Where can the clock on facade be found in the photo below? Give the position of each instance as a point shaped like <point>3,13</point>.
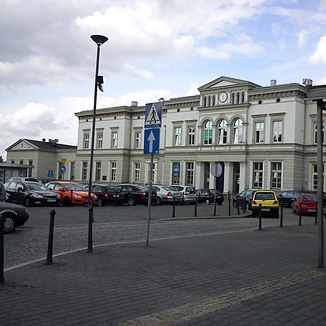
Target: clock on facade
<point>223,97</point>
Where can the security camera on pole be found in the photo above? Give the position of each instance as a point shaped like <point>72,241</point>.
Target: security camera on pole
<point>152,128</point>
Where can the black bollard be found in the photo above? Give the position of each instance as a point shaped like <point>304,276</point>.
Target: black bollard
<point>281,220</point>
<point>229,198</point>
<point>300,213</point>
<point>196,201</point>
<point>173,207</point>
<point>316,216</point>
<point>260,217</point>
<point>49,260</point>
<point>71,197</point>
<point>238,207</point>
<point>2,219</point>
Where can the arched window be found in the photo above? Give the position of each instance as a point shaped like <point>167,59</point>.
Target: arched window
<point>237,131</point>
<point>222,132</point>
<point>209,101</point>
<point>232,98</point>
<point>238,98</point>
<point>208,132</point>
<point>242,97</point>
<point>204,102</point>
<point>213,100</point>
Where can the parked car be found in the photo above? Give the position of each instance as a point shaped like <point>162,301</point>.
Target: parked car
<point>22,179</point>
<point>107,194</point>
<point>188,193</point>
<point>134,194</point>
<point>166,194</point>
<point>268,201</point>
<point>71,193</point>
<point>31,193</point>
<point>14,216</point>
<point>305,202</point>
<point>288,196</point>
<point>204,195</point>
<point>244,196</point>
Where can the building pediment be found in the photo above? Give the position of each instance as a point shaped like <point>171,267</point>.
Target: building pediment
<point>223,83</point>
<point>22,144</point>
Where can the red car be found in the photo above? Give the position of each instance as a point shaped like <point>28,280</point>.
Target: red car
<point>71,193</point>
<point>307,203</point>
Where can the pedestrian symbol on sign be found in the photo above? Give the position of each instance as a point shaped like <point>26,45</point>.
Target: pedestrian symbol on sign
<point>153,115</point>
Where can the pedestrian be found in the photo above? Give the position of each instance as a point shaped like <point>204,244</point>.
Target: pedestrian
<point>2,192</point>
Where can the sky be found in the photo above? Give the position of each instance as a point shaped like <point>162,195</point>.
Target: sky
<point>156,48</point>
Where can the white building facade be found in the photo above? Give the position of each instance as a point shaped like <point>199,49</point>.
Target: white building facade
<point>263,137</point>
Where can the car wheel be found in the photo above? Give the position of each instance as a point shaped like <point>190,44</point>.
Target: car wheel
<point>9,224</point>
<point>27,202</point>
<point>101,202</point>
<point>159,201</point>
<point>66,201</point>
<point>131,201</point>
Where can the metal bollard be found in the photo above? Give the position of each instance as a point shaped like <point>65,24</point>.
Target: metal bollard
<point>229,198</point>
<point>196,202</point>
<point>49,260</point>
<point>281,220</point>
<point>2,219</point>
<point>300,213</point>
<point>238,207</point>
<point>259,216</point>
<point>173,207</point>
<point>244,206</point>
<point>316,216</point>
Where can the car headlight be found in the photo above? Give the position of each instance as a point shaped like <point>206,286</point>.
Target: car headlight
<point>58,196</point>
<point>77,196</point>
<point>37,196</point>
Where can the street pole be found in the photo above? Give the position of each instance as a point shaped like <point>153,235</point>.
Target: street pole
<point>99,40</point>
<point>320,213</point>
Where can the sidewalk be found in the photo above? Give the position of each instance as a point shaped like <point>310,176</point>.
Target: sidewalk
<point>258,277</point>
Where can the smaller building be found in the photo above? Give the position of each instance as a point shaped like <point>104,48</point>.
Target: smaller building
<point>44,159</point>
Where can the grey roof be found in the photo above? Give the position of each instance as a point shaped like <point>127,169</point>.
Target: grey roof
<point>45,145</point>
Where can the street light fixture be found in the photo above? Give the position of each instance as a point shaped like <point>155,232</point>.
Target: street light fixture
<point>99,40</point>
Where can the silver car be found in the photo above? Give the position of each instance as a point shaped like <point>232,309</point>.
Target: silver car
<point>188,193</point>
<point>166,194</point>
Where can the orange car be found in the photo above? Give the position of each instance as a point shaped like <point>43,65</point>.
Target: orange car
<point>71,193</point>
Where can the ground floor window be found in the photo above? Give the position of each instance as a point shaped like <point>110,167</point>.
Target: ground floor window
<point>136,172</point>
<point>98,171</point>
<point>258,174</point>
<point>113,171</point>
<point>84,170</point>
<point>276,175</point>
<point>176,173</point>
<point>315,177</point>
<point>190,173</point>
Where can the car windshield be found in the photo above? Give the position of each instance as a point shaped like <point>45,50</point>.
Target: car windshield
<point>114,189</point>
<point>309,198</point>
<point>74,186</point>
<point>35,186</point>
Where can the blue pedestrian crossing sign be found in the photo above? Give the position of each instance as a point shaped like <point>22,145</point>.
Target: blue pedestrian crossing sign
<point>152,141</point>
<point>153,115</point>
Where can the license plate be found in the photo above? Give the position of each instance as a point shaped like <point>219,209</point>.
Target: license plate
<point>51,200</point>
<point>117,196</point>
<point>265,209</point>
<point>311,210</point>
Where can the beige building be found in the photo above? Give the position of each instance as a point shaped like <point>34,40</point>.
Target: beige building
<point>262,137</point>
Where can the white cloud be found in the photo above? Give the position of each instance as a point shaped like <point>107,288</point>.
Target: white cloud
<point>302,38</point>
<point>319,55</point>
<point>193,90</point>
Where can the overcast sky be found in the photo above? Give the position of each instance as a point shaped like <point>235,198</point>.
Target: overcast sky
<point>156,48</point>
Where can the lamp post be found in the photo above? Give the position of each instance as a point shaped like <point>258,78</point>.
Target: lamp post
<point>99,40</point>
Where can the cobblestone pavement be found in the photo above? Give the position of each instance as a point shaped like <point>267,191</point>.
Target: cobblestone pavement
<point>221,271</point>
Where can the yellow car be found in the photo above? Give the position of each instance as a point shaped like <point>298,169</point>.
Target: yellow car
<point>266,201</point>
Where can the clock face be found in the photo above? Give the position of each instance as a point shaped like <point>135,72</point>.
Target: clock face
<point>223,97</point>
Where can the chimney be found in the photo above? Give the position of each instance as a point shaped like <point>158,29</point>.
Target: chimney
<point>307,82</point>
<point>134,103</point>
<point>273,82</point>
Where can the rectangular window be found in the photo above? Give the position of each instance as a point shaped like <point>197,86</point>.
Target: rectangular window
<point>86,140</point>
<point>136,172</point>
<point>72,170</point>
<point>315,132</point>
<point>177,136</point>
<point>29,170</point>
<point>176,173</point>
<point>190,173</point>
<point>98,171</point>
<point>315,177</point>
<point>84,170</point>
<point>259,132</point>
<point>114,139</point>
<point>137,139</point>
<point>191,135</point>
<point>276,177</point>
<point>99,141</point>
<point>21,162</point>
<point>258,175</point>
<point>113,171</point>
<point>277,131</point>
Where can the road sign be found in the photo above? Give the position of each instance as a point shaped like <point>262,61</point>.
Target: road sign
<point>216,169</point>
<point>153,115</point>
<point>63,161</point>
<point>63,169</point>
<point>152,141</point>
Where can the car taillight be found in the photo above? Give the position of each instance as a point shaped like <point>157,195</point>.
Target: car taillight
<point>169,193</point>
<point>275,202</point>
<point>254,202</point>
<point>186,193</point>
<point>143,194</point>
<point>106,194</point>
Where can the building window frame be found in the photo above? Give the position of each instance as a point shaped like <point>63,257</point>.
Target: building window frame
<point>190,173</point>
<point>114,139</point>
<point>222,132</point>
<point>276,175</point>
<point>84,170</point>
<point>237,131</point>
<point>208,132</point>
<point>113,171</point>
<point>177,135</point>
<point>259,132</point>
<point>137,169</point>
<point>191,135</point>
<point>99,139</point>
<point>258,175</point>
<point>277,129</point>
<point>86,140</point>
